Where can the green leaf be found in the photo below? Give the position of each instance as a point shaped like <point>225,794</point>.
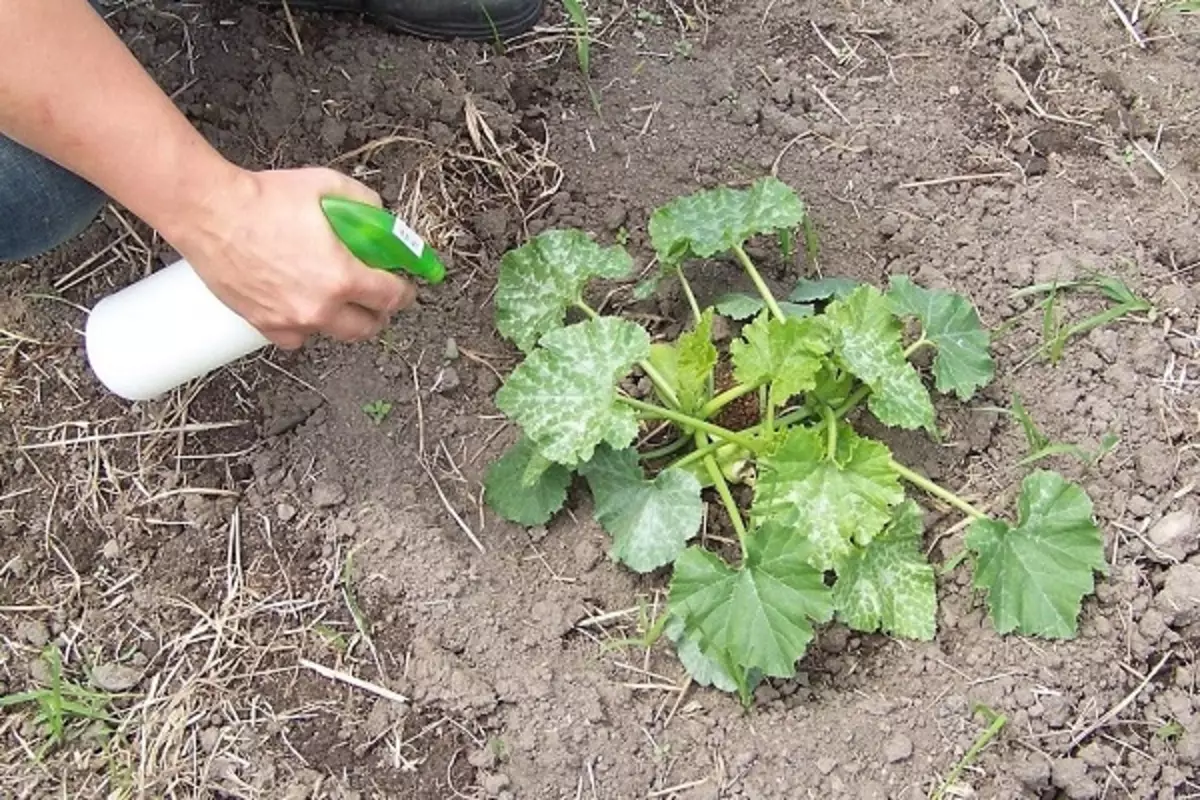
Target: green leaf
<point>888,584</point>
<point>564,394</point>
<point>868,340</point>
<point>809,290</point>
<point>834,504</point>
<point>786,353</point>
<point>688,363</point>
<point>540,279</point>
<point>963,363</point>
<point>650,520</point>
<point>525,487</point>
<point>717,220</point>
<point>738,305</point>
<point>760,615</point>
<point>1037,573</point>
<point>704,671</point>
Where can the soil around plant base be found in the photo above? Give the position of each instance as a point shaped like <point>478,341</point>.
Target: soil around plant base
<point>263,518</point>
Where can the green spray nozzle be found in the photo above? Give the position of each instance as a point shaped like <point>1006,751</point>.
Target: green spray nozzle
<point>381,240</point>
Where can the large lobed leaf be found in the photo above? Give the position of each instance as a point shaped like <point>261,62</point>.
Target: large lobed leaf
<point>867,338</point>
<point>758,616</point>
<point>833,504</point>
<point>540,279</point>
<point>525,487</point>
<point>788,353</point>
<point>889,585</point>
<point>717,220</point>
<point>963,362</point>
<point>687,364</point>
<point>1037,573</point>
<point>650,521</point>
<point>564,394</point>
<point>703,670</point>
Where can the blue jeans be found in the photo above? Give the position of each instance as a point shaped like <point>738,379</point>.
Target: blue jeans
<point>42,205</point>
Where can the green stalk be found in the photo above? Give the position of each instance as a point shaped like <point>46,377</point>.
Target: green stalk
<point>722,487</point>
<point>917,345</point>
<point>752,271</point>
<point>654,375</point>
<point>928,486</point>
<point>831,432</point>
<point>665,450</point>
<point>712,447</point>
<point>689,423</point>
<point>726,397</point>
<point>687,290</point>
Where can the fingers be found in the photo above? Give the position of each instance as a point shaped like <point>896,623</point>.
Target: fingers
<point>353,323</point>
<point>378,290</point>
<point>343,186</point>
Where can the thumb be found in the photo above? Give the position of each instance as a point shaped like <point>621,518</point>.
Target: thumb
<point>339,185</point>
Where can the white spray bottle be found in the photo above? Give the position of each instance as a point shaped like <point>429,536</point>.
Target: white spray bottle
<point>169,328</point>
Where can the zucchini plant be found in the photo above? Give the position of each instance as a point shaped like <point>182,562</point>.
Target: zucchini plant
<point>825,528</point>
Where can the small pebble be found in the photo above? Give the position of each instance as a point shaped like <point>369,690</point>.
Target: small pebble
<point>898,748</point>
<point>35,632</point>
<point>451,353</point>
<point>826,765</point>
<point>285,512</point>
<point>116,677</point>
<point>448,381</point>
<point>493,785</point>
<point>327,494</point>
<point>111,550</point>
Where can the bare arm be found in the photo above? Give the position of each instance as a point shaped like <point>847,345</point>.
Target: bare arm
<point>70,90</point>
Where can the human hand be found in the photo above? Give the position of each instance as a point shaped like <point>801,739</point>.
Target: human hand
<point>265,249</point>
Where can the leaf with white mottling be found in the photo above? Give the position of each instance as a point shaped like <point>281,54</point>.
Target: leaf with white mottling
<point>564,394</point>
<point>835,504</point>
<point>963,362</point>
<point>650,521</point>
<point>525,487</point>
<point>867,338</point>
<point>542,278</point>
<point>717,220</point>
<point>1037,573</point>
<point>889,585</point>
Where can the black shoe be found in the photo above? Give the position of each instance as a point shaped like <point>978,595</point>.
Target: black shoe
<point>480,20</point>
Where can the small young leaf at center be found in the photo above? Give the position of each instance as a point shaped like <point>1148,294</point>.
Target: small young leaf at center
<point>889,585</point>
<point>525,487</point>
<point>760,615</point>
<point>650,521</point>
<point>687,363</point>
<point>836,503</point>
<point>564,394</point>
<point>1037,573</point>
<point>787,353</point>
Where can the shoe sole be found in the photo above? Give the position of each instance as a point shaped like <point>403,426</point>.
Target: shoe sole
<point>498,30</point>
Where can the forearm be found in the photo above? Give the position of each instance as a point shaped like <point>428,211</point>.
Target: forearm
<point>70,90</point>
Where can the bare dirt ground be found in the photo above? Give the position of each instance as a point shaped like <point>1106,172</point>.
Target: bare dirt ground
<point>193,557</point>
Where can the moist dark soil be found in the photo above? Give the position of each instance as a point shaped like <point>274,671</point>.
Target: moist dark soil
<point>971,145</point>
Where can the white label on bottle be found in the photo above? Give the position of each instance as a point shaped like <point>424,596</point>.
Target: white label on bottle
<point>410,238</point>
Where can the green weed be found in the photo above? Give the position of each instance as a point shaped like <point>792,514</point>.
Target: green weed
<point>378,410</point>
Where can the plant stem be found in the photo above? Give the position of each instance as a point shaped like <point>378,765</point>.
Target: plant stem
<point>725,398</point>
<point>722,487</point>
<point>917,345</point>
<point>687,290</point>
<point>665,450</point>
<point>689,423</point>
<point>852,402</point>
<point>996,724</point>
<point>928,486</point>
<point>660,383</point>
<point>831,432</point>
<point>752,271</point>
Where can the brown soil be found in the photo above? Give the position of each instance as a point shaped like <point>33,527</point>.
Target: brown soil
<point>213,561</point>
